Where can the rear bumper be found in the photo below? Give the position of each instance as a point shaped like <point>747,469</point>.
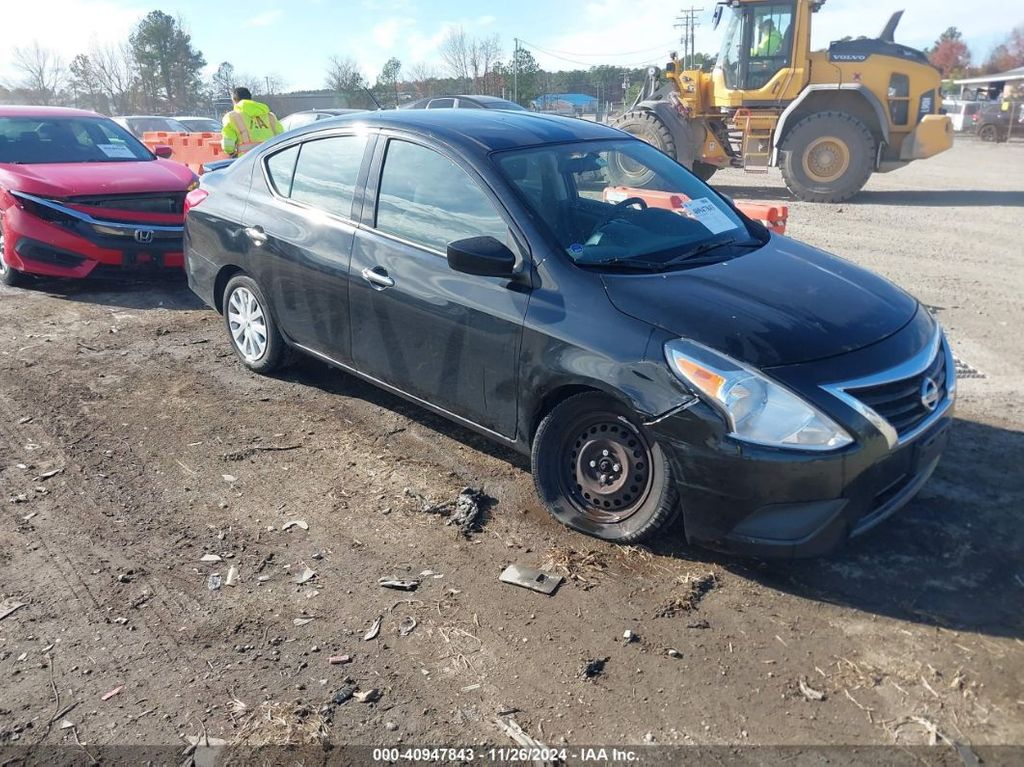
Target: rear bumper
<point>45,248</point>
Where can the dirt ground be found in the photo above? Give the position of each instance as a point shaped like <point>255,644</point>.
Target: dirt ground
<point>167,450</point>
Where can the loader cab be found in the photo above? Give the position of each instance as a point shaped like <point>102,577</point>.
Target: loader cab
<point>759,59</point>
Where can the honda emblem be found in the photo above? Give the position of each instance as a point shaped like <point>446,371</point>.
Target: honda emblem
<point>143,236</point>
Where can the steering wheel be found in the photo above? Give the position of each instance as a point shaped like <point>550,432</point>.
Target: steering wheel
<point>622,204</point>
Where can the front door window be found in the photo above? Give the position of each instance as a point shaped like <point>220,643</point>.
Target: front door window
<point>758,43</point>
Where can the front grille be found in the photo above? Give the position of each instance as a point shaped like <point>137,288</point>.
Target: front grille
<point>900,402</point>
<point>168,202</point>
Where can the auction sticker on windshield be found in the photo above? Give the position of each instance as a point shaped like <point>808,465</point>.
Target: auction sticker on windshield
<point>709,215</point>
<point>116,151</point>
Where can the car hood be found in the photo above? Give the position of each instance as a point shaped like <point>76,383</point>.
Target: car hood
<point>782,304</point>
<point>63,180</point>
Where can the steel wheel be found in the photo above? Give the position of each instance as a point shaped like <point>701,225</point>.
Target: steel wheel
<point>826,159</point>
<point>606,468</point>
<point>248,324</point>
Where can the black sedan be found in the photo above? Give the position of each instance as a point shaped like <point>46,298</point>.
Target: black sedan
<point>653,351</point>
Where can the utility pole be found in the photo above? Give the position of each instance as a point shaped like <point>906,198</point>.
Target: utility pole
<point>515,72</point>
<point>687,21</point>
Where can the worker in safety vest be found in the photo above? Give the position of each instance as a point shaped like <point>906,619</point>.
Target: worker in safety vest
<point>770,41</point>
<point>248,125</point>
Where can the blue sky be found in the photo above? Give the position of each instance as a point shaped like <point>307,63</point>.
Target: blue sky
<point>294,38</point>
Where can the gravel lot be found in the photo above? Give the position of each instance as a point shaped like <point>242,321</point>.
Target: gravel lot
<point>163,446</point>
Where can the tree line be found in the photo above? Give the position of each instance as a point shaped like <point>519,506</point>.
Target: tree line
<point>951,56</point>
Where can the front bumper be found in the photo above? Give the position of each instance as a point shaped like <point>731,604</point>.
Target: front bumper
<point>76,249</point>
<point>934,134</point>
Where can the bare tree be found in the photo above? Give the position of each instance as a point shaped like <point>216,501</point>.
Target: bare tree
<point>455,53</point>
<point>483,54</point>
<point>343,75</point>
<point>42,72</point>
<point>423,77</point>
<point>113,67</point>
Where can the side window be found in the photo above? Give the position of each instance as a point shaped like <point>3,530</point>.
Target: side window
<point>326,173</point>
<point>441,104</point>
<point>427,199</point>
<point>281,169</point>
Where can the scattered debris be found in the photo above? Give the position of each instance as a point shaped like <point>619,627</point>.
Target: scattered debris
<point>229,478</point>
<point>373,631</point>
<point>472,687</point>
<point>407,626</point>
<point>10,606</point>
<point>66,725</point>
<point>701,624</point>
<point>339,660</point>
<point>48,474</point>
<point>390,726</point>
<point>516,733</point>
<point>306,575</point>
<point>528,578</point>
<point>368,696</point>
<point>465,512</point>
<point>28,518</point>
<point>696,588</point>
<point>301,524</point>
<point>593,668</point>
<point>213,582</point>
<point>232,577</point>
<point>112,693</point>
<point>629,636</point>
<point>343,695</point>
<point>24,420</point>
<point>673,653</point>
<point>205,741</point>
<point>810,693</point>
<point>211,558</point>
<point>399,585</point>
<point>282,724</point>
<point>649,738</point>
<point>578,566</point>
<point>302,621</point>
<point>241,455</point>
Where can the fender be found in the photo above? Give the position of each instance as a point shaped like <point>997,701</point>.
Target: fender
<point>871,98</point>
<point>682,130</point>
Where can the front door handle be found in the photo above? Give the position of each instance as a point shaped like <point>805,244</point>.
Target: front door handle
<point>378,278</point>
<point>257,235</point>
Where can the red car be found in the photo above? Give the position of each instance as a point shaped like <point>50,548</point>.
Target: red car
<point>80,195</point>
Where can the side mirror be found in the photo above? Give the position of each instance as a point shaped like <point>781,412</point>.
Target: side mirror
<point>483,256</point>
<point>163,151</point>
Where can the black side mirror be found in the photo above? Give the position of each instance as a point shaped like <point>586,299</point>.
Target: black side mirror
<point>484,256</point>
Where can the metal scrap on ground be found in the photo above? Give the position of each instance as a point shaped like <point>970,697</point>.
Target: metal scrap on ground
<point>528,578</point>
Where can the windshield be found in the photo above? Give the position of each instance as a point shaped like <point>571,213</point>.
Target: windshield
<point>621,203</point>
<point>730,55</point>
<point>39,140</point>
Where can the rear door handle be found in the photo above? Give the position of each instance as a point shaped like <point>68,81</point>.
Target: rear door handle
<point>257,235</point>
<point>378,278</point>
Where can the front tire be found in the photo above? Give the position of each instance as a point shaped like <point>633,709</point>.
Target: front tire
<point>597,471</point>
<point>254,336</point>
<point>648,127</point>
<point>827,157</point>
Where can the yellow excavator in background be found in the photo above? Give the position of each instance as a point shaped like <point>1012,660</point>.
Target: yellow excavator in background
<point>828,119</point>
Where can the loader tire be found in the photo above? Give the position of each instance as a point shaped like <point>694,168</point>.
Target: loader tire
<point>703,170</point>
<point>648,127</point>
<point>827,157</point>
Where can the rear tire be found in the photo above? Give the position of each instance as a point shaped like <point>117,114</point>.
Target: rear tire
<point>827,157</point>
<point>8,274</point>
<point>252,331</point>
<point>597,471</point>
<point>648,127</point>
<point>988,133</point>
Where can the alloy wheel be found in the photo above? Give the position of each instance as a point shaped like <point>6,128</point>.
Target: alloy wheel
<point>248,324</point>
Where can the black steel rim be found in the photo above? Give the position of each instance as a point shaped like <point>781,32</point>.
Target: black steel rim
<point>605,468</point>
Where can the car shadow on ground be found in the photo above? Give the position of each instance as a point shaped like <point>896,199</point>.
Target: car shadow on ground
<point>953,557</point>
<point>932,198</point>
<point>157,292</point>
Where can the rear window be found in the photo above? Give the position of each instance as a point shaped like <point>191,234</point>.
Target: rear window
<point>35,141</point>
<point>140,125</point>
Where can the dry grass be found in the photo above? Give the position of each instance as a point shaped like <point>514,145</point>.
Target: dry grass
<point>582,567</point>
<point>282,724</point>
<point>694,587</point>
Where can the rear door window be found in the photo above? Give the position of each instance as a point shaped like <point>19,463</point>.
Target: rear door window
<point>327,172</point>
<point>427,199</point>
<point>281,170</point>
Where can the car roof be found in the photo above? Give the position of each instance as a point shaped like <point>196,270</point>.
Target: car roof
<point>486,130</point>
<point>193,117</point>
<point>35,111</point>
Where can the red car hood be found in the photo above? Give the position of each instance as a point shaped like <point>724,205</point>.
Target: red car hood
<point>62,180</point>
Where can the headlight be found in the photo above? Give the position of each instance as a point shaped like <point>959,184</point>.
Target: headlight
<point>758,409</point>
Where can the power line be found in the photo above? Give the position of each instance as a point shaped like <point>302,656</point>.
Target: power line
<point>687,21</point>
<point>554,51</point>
<point>633,65</point>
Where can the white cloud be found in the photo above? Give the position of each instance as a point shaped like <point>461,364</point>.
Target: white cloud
<point>266,19</point>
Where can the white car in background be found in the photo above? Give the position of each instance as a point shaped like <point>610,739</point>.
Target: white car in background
<point>197,124</point>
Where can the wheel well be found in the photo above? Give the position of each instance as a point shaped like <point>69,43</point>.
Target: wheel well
<point>850,102</point>
<point>223,277</point>
<point>554,398</point>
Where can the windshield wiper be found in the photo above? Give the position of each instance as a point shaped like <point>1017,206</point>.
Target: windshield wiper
<point>628,263</point>
<point>707,247</point>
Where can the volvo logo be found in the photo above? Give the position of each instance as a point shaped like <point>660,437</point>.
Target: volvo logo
<point>143,236</point>
<point>929,394</point>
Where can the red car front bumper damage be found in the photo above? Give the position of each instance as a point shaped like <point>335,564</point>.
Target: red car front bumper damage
<point>57,239</point>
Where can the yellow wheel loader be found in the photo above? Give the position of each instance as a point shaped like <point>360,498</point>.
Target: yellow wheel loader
<point>827,119</point>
